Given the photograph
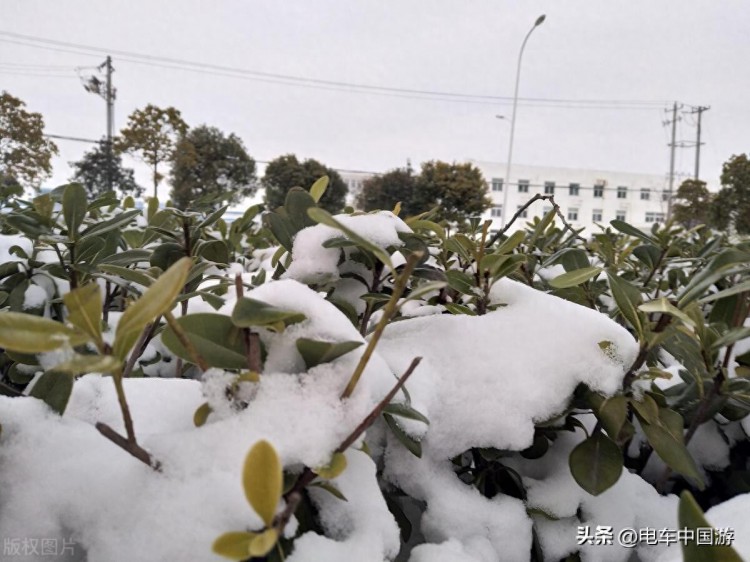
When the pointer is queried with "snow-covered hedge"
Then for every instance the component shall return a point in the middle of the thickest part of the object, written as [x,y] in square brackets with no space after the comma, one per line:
[304,387]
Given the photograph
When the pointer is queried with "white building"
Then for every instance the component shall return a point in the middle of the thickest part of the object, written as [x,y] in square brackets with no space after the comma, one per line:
[585,197]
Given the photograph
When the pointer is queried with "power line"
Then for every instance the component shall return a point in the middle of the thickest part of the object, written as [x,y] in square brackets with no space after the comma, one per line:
[221,70]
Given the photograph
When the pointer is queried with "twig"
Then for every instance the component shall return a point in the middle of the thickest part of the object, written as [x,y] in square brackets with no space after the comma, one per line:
[130,446]
[294,496]
[186,343]
[250,339]
[390,310]
[139,348]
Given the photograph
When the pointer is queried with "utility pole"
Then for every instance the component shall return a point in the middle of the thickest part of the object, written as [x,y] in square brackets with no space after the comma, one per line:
[699,110]
[105,90]
[672,146]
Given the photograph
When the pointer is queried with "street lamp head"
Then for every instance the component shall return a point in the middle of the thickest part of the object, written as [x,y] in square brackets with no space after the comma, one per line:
[540,20]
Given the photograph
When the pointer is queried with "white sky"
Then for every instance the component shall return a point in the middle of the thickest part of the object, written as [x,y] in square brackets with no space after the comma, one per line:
[692,51]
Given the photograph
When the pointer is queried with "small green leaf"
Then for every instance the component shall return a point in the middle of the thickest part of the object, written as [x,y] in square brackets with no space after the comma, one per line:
[117,221]
[248,313]
[455,308]
[74,206]
[215,338]
[281,228]
[731,336]
[85,364]
[646,408]
[413,445]
[263,543]
[672,451]
[405,411]
[323,217]
[158,299]
[234,545]
[613,413]
[297,202]
[330,488]
[596,464]
[315,352]
[54,389]
[318,189]
[333,468]
[213,217]
[664,306]
[690,516]
[201,414]
[26,333]
[84,306]
[627,298]
[574,278]
[511,243]
[460,281]
[215,251]
[423,289]
[262,480]
[625,228]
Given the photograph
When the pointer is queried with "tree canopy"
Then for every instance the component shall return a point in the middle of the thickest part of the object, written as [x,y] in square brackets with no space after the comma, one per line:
[459,190]
[385,191]
[92,171]
[286,172]
[150,135]
[731,207]
[207,164]
[693,204]
[25,155]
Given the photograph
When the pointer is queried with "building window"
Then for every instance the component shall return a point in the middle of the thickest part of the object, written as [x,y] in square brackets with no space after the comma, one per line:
[572,214]
[596,215]
[665,195]
[496,211]
[645,194]
[598,190]
[523,186]
[549,188]
[620,215]
[573,189]
[524,213]
[622,192]
[654,217]
[497,184]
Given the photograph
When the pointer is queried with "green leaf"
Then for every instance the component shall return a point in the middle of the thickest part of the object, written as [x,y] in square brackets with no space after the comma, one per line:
[334,468]
[281,228]
[297,202]
[215,338]
[506,265]
[574,278]
[736,289]
[672,451]
[627,298]
[413,445]
[74,207]
[596,464]
[130,275]
[323,217]
[647,408]
[263,543]
[330,488]
[318,189]
[731,336]
[690,516]
[166,255]
[249,312]
[717,268]
[613,413]
[648,254]
[85,364]
[423,289]
[455,308]
[215,251]
[511,243]
[155,301]
[315,352]
[460,281]
[262,480]
[27,333]
[201,414]
[625,228]
[213,217]
[234,545]
[116,222]
[664,306]
[405,411]
[85,310]
[54,388]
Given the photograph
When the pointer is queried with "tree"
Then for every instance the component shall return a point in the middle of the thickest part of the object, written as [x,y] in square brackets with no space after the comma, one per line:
[150,135]
[693,204]
[459,190]
[25,155]
[208,164]
[92,171]
[731,207]
[286,172]
[385,191]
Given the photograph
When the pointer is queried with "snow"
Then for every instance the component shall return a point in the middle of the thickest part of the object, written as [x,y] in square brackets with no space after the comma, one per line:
[34,297]
[7,241]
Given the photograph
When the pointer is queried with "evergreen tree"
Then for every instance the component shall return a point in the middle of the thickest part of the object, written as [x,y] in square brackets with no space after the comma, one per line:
[693,206]
[286,172]
[731,207]
[385,191]
[93,172]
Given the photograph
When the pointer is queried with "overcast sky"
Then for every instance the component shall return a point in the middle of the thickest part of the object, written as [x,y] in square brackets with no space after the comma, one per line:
[694,52]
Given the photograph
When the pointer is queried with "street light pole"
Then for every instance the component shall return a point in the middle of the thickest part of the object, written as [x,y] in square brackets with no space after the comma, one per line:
[506,183]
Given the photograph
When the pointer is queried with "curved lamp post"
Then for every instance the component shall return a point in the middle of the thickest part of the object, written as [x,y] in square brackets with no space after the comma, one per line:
[506,183]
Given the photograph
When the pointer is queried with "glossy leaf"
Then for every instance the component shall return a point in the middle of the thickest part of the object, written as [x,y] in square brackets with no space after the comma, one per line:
[596,464]
[54,389]
[215,337]
[249,313]
[574,278]
[405,411]
[26,333]
[318,189]
[334,468]
[234,545]
[413,445]
[74,207]
[262,480]
[84,306]
[690,516]
[158,299]
[672,451]
[315,352]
